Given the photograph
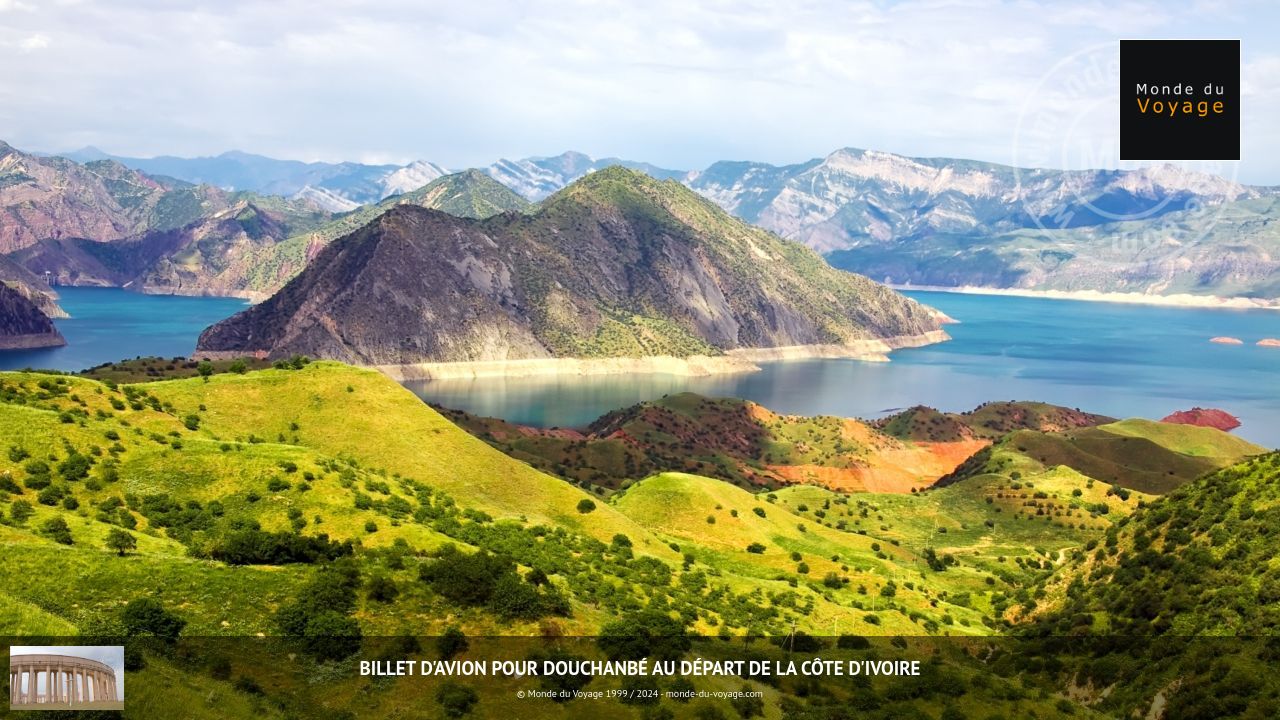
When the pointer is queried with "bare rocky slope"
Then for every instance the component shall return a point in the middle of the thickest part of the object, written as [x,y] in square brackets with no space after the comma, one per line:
[615,265]
[23,325]
[32,286]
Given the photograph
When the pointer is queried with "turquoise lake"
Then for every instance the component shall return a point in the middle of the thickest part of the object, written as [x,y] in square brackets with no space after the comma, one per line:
[109,324]
[1122,360]
[1114,359]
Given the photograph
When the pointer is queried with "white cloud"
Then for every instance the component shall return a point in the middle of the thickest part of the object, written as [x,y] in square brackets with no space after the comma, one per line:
[38,41]
[676,82]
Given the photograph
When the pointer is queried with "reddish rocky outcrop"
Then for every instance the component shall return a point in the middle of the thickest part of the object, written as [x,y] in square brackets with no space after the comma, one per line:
[1204,417]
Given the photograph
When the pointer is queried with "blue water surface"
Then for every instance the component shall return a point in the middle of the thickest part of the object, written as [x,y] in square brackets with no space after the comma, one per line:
[1116,359]
[1121,360]
[109,324]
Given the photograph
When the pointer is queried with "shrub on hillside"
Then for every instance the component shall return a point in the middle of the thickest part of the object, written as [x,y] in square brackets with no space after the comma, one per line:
[648,633]
[121,541]
[452,642]
[252,546]
[484,579]
[456,700]
[147,617]
[20,511]
[56,529]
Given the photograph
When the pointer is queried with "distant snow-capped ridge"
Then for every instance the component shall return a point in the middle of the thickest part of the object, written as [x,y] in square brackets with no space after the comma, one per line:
[326,199]
[410,177]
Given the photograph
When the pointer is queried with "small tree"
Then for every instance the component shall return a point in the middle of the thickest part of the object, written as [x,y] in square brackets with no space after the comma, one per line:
[747,703]
[21,511]
[648,633]
[205,369]
[148,617]
[456,700]
[451,643]
[382,589]
[238,366]
[57,530]
[332,636]
[586,505]
[121,541]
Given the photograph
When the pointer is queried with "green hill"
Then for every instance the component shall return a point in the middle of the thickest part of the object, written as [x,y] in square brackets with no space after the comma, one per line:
[988,421]
[1178,605]
[244,499]
[734,440]
[1198,561]
[1142,455]
[237,487]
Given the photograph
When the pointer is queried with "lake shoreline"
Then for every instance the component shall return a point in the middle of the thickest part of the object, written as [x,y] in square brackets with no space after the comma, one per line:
[742,360]
[1185,300]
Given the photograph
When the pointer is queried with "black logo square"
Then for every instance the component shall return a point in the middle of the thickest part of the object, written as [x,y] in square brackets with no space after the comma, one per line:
[1179,99]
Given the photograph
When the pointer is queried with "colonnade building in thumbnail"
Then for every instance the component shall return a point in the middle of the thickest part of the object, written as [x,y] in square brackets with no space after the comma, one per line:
[60,679]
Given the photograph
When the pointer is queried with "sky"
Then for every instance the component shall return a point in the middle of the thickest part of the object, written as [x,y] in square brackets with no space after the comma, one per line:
[679,83]
[112,655]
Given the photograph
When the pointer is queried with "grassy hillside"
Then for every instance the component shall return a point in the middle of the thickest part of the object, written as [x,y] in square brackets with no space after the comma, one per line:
[189,466]
[1198,561]
[988,421]
[1180,602]
[733,440]
[247,498]
[1142,455]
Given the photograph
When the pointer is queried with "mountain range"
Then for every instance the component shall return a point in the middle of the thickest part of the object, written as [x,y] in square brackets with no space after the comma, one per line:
[344,186]
[52,197]
[615,265]
[904,221]
[244,244]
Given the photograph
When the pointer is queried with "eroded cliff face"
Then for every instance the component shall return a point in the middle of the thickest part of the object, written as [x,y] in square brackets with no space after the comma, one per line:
[23,325]
[32,286]
[615,265]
